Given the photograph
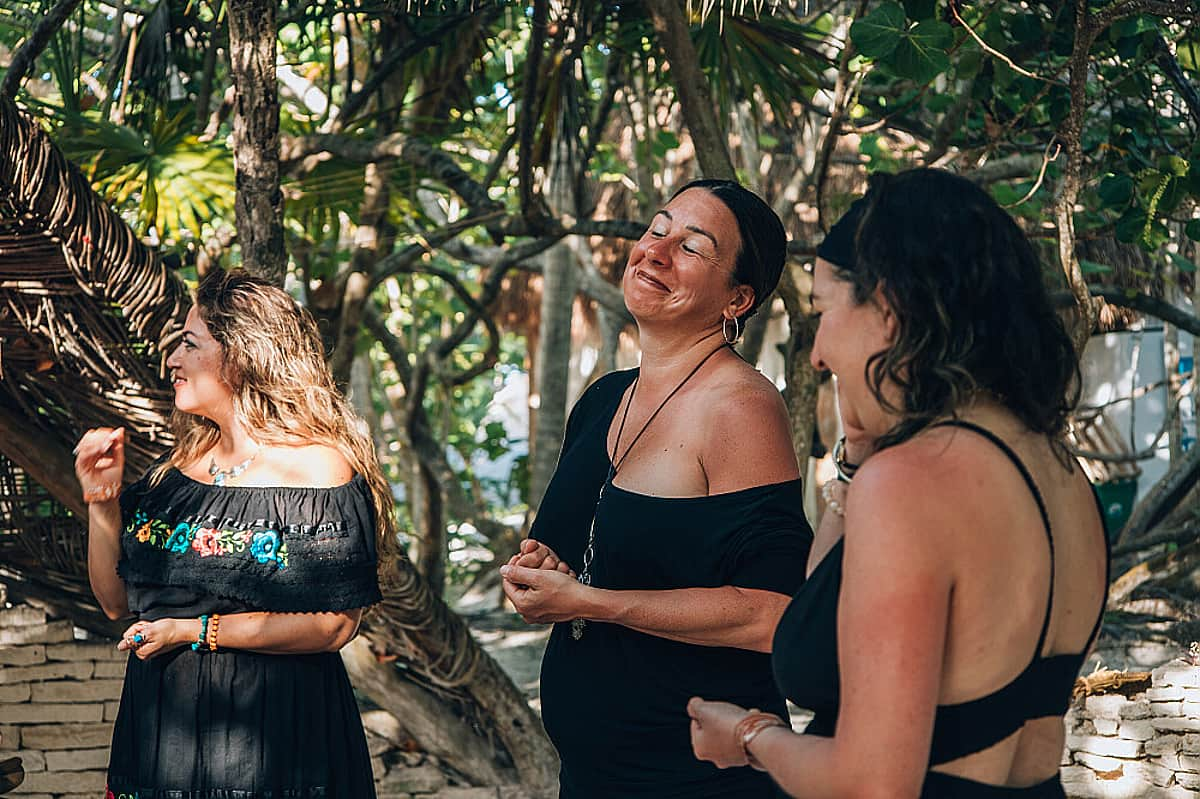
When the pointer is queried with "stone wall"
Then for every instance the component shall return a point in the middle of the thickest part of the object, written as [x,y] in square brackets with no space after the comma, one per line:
[1142,746]
[59,696]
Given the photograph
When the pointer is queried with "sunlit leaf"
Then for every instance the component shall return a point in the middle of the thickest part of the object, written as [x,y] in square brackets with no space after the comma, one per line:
[878,33]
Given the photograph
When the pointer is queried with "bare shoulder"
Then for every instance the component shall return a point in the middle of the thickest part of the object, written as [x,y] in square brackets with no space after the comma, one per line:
[309,466]
[921,494]
[747,433]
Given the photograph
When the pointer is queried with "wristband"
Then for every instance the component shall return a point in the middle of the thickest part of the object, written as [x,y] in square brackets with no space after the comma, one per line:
[748,729]
[201,641]
[213,625]
[101,493]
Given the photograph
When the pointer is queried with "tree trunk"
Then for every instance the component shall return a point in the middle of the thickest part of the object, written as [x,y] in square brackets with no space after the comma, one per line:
[412,621]
[425,716]
[258,206]
[802,379]
[430,520]
[559,285]
[43,459]
[695,98]
[554,367]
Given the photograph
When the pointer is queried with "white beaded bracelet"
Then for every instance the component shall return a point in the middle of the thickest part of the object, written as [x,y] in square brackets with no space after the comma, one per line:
[828,492]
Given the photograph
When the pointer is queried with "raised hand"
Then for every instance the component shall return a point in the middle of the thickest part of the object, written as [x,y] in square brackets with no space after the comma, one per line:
[100,463]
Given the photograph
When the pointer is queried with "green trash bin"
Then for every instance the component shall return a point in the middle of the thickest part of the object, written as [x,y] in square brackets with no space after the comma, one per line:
[1117,498]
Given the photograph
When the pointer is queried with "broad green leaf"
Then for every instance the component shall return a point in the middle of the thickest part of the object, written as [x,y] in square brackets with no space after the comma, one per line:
[877,34]
[920,9]
[1192,230]
[1173,165]
[1116,190]
[921,53]
[1129,227]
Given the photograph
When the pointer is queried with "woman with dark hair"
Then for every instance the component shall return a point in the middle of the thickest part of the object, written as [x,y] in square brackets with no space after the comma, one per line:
[677,502]
[957,582]
[247,556]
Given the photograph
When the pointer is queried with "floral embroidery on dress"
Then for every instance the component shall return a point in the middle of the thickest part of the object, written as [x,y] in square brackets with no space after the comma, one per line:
[266,548]
[147,530]
[264,545]
[181,540]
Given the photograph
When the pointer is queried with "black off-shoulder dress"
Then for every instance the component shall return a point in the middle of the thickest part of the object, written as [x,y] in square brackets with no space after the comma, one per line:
[615,702]
[232,724]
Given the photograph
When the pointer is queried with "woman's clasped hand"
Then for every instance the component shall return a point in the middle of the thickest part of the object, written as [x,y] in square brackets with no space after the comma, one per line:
[542,588]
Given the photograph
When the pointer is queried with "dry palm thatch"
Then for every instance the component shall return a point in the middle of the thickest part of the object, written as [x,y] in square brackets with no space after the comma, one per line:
[86,314]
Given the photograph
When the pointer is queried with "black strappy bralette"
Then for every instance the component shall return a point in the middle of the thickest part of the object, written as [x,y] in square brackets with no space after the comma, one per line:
[805,657]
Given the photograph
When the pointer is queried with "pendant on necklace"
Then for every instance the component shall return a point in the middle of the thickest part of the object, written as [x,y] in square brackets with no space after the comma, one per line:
[220,476]
[577,628]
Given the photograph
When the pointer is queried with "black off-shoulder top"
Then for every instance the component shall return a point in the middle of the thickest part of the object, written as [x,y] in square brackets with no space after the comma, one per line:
[189,547]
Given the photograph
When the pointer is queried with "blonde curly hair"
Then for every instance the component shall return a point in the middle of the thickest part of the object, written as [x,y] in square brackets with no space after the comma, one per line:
[273,361]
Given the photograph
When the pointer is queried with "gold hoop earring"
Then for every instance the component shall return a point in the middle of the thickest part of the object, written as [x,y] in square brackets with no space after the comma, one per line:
[737,330]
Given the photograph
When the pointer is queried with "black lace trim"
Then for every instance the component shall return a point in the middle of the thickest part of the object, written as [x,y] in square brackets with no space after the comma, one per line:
[122,789]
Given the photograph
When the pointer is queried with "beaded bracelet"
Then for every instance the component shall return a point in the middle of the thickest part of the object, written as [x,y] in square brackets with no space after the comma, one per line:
[828,493]
[101,493]
[748,729]
[201,640]
[213,626]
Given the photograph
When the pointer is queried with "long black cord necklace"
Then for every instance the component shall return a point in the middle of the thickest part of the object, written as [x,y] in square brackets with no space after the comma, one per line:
[614,463]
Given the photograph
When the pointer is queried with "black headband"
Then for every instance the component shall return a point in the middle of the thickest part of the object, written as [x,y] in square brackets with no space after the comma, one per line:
[838,246]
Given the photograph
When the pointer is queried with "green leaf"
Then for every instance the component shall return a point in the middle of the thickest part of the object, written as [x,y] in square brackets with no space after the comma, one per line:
[1172,194]
[1192,230]
[1116,190]
[1173,165]
[1129,227]
[1181,263]
[1093,268]
[920,9]
[921,53]
[877,34]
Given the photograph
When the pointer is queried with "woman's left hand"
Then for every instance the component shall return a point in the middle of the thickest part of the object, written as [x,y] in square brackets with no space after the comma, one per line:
[543,596]
[149,638]
[713,724]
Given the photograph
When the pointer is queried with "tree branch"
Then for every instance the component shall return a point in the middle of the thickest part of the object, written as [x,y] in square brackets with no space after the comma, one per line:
[1144,303]
[695,99]
[1170,66]
[396,59]
[22,60]
[1105,17]
[530,104]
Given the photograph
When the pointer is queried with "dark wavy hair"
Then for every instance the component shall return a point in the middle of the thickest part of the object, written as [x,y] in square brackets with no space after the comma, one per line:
[973,313]
[763,250]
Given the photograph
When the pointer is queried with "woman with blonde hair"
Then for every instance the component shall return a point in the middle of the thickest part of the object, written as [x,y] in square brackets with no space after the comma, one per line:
[247,556]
